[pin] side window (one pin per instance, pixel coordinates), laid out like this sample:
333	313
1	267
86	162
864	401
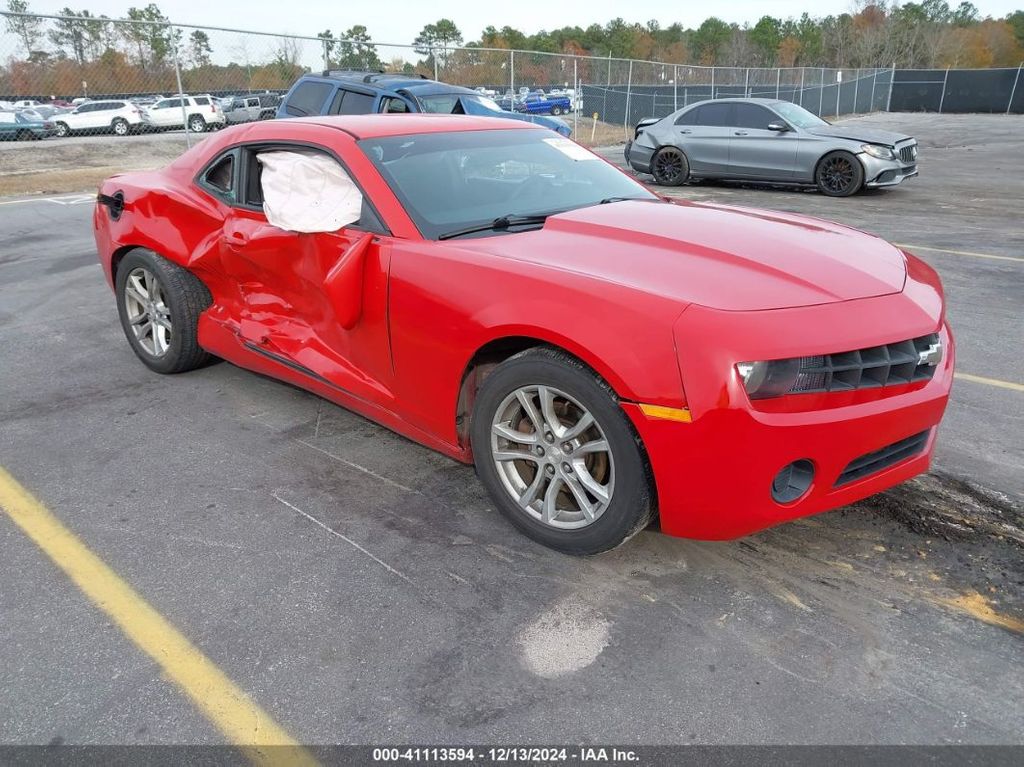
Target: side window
174	103
351	103
220	177
689	117
391	105
716	115
252	102
753	116
332	203
308	98
162	104
202	100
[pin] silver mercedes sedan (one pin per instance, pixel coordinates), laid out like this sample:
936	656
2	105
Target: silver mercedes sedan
769	140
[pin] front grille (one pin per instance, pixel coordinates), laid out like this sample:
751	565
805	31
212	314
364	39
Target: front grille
871	368
908	154
890	455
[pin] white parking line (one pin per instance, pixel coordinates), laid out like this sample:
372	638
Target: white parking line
75	199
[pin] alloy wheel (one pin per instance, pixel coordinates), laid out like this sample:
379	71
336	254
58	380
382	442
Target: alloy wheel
668	166
149	316
552	457
837	174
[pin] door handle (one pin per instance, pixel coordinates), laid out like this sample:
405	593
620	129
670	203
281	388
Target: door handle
685	130
740	133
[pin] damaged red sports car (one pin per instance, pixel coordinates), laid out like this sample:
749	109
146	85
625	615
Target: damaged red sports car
508	298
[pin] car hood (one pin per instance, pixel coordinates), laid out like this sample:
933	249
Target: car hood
858	133
719	256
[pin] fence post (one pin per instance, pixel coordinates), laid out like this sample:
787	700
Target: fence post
712	82
746	84
433	55
327	57
675	88
803	70
609	68
778	81
181	90
577	99
942	98
874	76
856	89
1013	90
892	84
839	88
512	72
821	92
629	89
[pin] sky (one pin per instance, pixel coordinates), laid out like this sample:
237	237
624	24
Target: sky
399	21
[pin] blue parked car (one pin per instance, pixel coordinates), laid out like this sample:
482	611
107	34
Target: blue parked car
538	103
358	93
18	126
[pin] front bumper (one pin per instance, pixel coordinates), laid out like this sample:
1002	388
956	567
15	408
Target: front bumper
714	475
880	173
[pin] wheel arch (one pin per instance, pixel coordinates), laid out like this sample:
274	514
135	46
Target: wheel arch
500	348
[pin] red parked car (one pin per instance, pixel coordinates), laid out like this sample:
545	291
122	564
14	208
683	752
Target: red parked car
508	298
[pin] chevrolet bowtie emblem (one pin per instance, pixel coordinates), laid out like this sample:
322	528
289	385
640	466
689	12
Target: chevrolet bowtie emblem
930	356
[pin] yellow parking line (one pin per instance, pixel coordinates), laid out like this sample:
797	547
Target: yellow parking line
990	381
233	712
972	254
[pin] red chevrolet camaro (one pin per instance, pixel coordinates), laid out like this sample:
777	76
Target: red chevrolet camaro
508	298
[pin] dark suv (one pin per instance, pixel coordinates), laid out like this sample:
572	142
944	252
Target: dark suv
360	93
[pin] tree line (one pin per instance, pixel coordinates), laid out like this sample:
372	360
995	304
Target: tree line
84	51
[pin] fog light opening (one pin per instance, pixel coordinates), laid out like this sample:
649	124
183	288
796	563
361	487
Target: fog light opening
792	481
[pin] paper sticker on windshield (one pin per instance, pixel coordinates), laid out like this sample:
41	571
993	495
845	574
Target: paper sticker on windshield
570	149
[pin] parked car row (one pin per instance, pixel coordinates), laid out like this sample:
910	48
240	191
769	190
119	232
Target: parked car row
29	119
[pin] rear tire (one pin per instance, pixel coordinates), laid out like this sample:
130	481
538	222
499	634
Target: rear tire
159	304
839	174
669	166
120	126
196	124
603	463
24	135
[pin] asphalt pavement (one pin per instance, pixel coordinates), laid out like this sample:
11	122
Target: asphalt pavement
362	589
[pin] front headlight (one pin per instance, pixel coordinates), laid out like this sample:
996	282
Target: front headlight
768	379
881	152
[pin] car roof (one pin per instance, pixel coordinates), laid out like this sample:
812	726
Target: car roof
738	100
381	126
392	81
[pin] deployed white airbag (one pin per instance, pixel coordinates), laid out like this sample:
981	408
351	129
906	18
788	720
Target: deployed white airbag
307	192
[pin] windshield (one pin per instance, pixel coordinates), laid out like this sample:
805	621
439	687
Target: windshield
458	103
797	116
451	181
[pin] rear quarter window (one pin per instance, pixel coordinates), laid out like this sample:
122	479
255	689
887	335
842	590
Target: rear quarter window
308	98
202	100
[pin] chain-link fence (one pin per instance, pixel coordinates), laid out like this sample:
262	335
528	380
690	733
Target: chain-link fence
168	73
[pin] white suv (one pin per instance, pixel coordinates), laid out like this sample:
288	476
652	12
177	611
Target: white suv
120	116
201	112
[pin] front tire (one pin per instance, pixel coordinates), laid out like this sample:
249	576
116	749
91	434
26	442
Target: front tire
558	455
62	130
159	304
669	166
839	174
556	111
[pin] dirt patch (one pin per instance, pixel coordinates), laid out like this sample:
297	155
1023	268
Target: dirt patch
966	541
78	165
599	134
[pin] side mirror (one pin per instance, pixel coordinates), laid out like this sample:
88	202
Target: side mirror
778	127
